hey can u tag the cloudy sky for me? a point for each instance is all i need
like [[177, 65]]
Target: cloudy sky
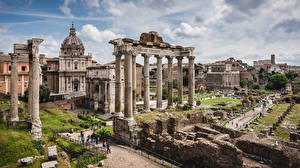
[[218, 29]]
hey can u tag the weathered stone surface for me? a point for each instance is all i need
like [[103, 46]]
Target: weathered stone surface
[[52, 153], [26, 161], [50, 164], [276, 156]]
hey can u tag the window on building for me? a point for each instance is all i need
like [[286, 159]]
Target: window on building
[[9, 68], [76, 65], [23, 68]]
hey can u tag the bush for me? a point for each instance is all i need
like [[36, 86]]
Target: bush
[[186, 107], [165, 93], [243, 84], [104, 133], [84, 117], [38, 144], [198, 102], [175, 98], [85, 125], [234, 108], [256, 86]]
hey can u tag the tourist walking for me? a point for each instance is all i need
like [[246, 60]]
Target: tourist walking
[[82, 137], [108, 148]]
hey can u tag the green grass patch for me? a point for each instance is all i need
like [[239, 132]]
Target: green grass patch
[[15, 144], [55, 120], [270, 118]]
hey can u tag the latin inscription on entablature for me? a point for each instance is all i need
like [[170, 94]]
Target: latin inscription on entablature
[[20, 49]]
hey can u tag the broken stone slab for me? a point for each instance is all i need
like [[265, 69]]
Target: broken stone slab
[[52, 152], [26, 161], [50, 164]]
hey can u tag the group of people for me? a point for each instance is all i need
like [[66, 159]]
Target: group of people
[[91, 139]]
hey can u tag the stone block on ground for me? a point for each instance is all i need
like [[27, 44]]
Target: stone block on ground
[[52, 152], [26, 161], [50, 164]]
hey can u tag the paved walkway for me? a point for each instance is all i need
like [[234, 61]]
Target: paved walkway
[[245, 118], [121, 158]]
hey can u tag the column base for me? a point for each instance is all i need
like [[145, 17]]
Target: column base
[[147, 110], [170, 106], [119, 114], [180, 105]]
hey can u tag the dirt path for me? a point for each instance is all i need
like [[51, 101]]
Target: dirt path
[[243, 119], [121, 157]]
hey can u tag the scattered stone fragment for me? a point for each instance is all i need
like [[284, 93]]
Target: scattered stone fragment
[[26, 161], [50, 164], [52, 152]]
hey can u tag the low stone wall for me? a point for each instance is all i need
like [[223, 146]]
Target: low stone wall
[[232, 133], [199, 152], [277, 156], [125, 131]]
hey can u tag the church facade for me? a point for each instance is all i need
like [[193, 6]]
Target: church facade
[[66, 75]]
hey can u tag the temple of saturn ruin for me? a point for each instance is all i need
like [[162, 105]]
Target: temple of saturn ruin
[[31, 49], [150, 44]]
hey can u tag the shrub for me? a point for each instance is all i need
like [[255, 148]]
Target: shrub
[[44, 94], [38, 144], [243, 84], [175, 98], [84, 117], [165, 93], [85, 125], [186, 107], [256, 86], [234, 108], [103, 133], [198, 102]]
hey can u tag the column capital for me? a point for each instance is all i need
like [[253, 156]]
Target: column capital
[[117, 53], [169, 57], [158, 56], [179, 57], [13, 56], [146, 55], [191, 57]]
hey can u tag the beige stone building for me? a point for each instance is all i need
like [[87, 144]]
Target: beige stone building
[[227, 74], [66, 75]]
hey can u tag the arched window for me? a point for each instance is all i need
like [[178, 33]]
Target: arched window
[[76, 65]]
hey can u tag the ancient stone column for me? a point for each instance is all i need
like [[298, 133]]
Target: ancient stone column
[[134, 84], [170, 82], [191, 81], [14, 88], [180, 81], [29, 117], [159, 82], [36, 128], [146, 83], [118, 85], [128, 113], [106, 97]]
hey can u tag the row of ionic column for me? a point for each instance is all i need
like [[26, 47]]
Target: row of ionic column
[[33, 87], [130, 83]]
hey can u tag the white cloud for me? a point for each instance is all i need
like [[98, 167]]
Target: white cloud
[[91, 33], [65, 7], [92, 3], [187, 31]]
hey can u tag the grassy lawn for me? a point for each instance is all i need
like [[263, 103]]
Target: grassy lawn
[[55, 120], [230, 102], [15, 144], [269, 119], [289, 124]]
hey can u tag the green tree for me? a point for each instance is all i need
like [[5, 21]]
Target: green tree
[[262, 70], [291, 75], [104, 133], [243, 83], [277, 82], [44, 94]]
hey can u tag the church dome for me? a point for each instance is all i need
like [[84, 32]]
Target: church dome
[[72, 45]]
